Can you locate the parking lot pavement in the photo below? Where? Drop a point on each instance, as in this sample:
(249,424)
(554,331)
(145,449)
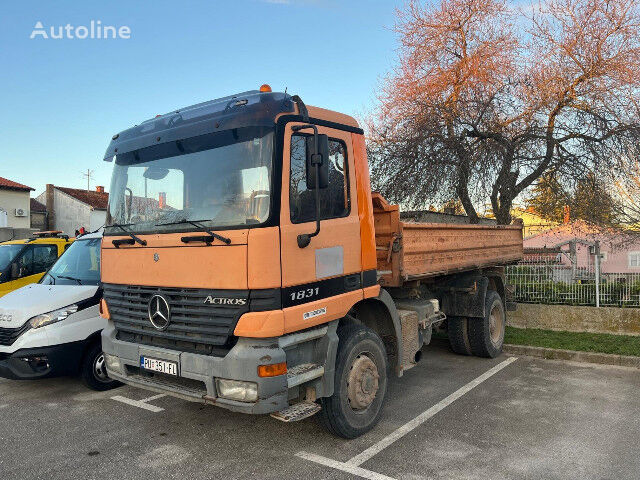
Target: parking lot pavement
(446,418)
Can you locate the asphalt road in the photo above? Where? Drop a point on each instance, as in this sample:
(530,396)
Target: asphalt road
(531,419)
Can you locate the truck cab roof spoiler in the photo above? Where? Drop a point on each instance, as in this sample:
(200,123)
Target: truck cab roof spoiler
(252,108)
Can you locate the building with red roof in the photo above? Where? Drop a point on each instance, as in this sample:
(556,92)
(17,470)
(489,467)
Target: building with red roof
(69,209)
(14,204)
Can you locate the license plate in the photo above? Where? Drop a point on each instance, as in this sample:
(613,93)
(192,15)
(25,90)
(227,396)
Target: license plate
(170,368)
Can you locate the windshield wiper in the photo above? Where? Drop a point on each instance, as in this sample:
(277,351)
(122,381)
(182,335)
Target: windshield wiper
(131,241)
(67,277)
(203,228)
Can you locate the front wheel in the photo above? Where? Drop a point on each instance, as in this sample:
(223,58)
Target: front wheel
(94,371)
(360,383)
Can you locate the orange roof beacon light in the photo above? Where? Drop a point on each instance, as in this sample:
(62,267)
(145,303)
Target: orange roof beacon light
(265,88)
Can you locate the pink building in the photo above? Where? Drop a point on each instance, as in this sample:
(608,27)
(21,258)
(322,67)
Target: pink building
(620,251)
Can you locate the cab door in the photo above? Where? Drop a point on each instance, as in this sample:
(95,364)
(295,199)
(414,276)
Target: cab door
(322,280)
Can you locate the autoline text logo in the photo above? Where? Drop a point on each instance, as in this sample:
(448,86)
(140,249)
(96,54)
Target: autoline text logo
(95,30)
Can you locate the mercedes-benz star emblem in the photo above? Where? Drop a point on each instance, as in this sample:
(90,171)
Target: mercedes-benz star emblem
(159,312)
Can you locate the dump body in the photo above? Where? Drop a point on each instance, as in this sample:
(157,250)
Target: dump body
(409,251)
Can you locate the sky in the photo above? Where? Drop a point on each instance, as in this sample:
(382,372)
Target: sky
(63,99)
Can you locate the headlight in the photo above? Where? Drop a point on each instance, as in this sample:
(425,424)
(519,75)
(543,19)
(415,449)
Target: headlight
(237,390)
(113,363)
(52,317)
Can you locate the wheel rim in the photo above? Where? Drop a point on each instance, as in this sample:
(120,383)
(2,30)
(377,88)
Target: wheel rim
(496,325)
(100,369)
(362,383)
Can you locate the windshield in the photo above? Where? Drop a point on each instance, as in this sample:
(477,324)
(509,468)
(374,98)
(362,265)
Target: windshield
(8,253)
(221,179)
(79,265)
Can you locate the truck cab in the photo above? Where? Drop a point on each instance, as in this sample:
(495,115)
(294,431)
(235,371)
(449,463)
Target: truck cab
(25,261)
(239,263)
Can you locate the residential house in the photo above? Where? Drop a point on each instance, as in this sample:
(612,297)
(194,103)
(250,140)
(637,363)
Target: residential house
(14,204)
(620,250)
(69,209)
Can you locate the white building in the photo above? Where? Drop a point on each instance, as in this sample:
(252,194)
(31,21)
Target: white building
(69,209)
(14,204)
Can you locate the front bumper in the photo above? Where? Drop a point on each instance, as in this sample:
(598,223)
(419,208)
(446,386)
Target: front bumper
(42,362)
(197,373)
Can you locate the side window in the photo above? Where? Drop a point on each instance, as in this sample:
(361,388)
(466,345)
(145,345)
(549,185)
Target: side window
(42,257)
(25,262)
(334,200)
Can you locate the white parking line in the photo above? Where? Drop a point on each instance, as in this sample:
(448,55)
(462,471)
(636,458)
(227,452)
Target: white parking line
(140,403)
(345,467)
(353,465)
(155,397)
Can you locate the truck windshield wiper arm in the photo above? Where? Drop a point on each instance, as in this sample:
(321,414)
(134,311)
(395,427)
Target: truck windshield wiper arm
(67,277)
(196,223)
(117,243)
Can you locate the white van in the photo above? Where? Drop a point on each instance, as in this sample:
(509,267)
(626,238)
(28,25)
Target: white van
(52,327)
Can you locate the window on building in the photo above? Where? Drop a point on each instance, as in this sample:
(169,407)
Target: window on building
(334,200)
(634,259)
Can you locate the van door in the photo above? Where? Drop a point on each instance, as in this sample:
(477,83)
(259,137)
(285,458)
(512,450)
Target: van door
(321,279)
(32,263)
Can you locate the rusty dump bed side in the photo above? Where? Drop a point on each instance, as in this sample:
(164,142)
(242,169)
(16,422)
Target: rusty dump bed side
(412,251)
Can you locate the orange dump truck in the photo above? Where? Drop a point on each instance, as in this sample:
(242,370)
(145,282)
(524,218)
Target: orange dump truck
(247,264)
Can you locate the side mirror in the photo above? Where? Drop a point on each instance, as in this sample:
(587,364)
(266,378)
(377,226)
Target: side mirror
(15,272)
(322,159)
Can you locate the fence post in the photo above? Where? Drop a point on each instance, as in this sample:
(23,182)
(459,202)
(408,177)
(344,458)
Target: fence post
(596,251)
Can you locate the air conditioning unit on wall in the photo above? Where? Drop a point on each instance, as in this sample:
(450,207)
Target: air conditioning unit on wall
(20,212)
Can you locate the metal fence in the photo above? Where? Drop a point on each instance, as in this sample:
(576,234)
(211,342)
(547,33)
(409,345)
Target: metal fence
(547,279)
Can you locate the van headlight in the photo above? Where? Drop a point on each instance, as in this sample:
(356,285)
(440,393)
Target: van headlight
(52,317)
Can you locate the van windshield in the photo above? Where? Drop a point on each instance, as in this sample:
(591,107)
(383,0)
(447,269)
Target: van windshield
(221,179)
(79,265)
(8,253)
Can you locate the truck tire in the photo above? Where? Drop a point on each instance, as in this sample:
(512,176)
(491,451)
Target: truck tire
(487,334)
(93,371)
(458,333)
(360,383)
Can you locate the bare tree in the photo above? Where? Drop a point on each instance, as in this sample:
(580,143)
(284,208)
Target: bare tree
(478,112)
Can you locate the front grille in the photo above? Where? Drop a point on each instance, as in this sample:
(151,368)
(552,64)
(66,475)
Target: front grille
(9,335)
(194,327)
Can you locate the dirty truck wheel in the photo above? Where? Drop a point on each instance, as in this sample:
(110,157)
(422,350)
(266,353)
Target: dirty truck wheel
(487,334)
(94,372)
(458,332)
(360,383)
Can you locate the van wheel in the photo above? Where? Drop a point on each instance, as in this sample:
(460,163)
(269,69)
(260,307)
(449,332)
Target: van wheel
(458,333)
(487,334)
(360,383)
(94,371)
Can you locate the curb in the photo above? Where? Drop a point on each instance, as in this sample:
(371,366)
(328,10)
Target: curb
(574,356)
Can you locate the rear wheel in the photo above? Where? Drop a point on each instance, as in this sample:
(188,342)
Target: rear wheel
(486,335)
(360,383)
(458,333)
(94,371)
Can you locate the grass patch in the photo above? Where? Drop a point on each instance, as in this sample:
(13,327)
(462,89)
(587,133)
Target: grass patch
(579,341)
